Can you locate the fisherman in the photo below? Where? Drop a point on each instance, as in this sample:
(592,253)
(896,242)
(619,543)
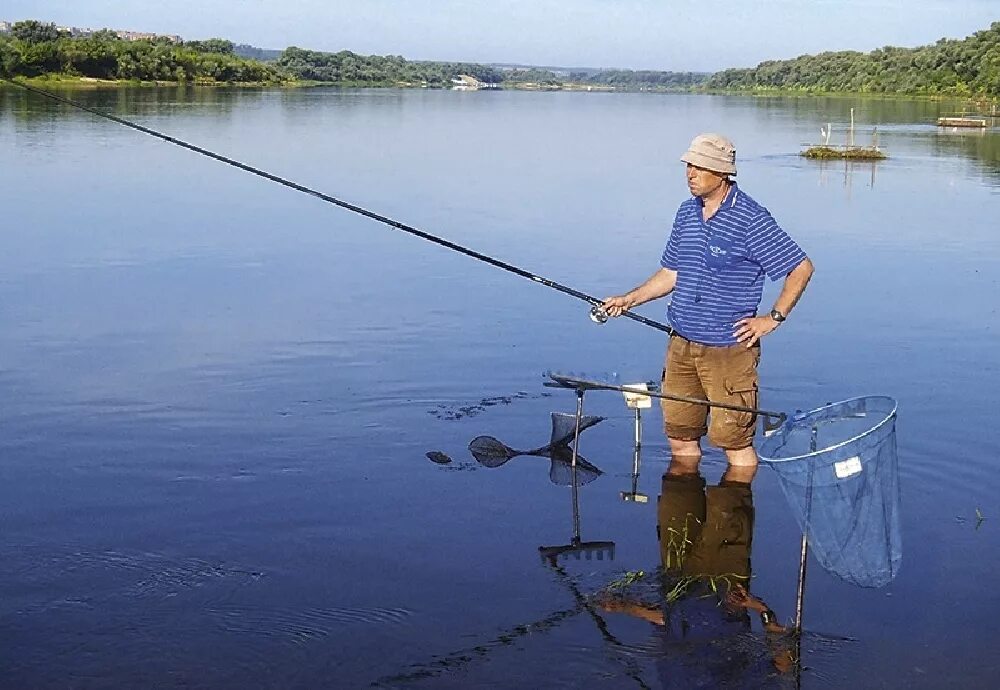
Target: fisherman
(721,246)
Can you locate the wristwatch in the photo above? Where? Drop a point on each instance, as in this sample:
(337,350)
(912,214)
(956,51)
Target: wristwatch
(777,315)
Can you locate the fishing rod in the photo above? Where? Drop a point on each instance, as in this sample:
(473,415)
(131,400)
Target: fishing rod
(597,312)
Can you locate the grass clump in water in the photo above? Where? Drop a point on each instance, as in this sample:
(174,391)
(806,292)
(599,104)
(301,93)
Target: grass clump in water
(850,153)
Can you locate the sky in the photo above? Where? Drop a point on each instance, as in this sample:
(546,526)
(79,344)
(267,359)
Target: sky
(675,35)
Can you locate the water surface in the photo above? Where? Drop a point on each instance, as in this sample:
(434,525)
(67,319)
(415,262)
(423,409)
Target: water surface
(219,393)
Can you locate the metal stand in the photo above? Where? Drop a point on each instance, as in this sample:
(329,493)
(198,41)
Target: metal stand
(576,451)
(636,402)
(577,547)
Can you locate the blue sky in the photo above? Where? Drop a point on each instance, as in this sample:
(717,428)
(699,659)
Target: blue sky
(653,34)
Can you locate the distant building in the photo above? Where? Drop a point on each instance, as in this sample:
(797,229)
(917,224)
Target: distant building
(145,36)
(464,82)
(83,32)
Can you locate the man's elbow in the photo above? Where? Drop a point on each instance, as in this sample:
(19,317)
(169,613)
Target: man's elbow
(805,269)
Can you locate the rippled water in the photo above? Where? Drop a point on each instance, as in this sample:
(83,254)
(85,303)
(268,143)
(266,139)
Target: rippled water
(219,395)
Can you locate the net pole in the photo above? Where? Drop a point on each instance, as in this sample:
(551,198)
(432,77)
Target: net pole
(803,561)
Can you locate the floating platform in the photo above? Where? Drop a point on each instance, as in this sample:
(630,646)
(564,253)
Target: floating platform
(975,122)
(857,153)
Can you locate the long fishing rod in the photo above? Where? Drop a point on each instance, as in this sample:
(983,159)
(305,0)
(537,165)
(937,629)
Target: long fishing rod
(597,312)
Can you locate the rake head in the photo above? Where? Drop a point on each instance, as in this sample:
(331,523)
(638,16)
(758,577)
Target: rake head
(587,550)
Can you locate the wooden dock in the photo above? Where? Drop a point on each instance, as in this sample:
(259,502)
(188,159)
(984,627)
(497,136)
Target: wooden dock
(977,122)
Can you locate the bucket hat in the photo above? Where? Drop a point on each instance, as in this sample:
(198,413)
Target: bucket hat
(713,152)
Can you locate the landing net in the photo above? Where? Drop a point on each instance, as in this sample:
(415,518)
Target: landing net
(838,469)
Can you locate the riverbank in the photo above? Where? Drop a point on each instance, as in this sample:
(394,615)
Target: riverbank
(76,81)
(977,99)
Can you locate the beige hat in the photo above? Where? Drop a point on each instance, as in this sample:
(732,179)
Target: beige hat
(712,152)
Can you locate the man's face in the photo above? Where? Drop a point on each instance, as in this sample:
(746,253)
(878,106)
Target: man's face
(703,182)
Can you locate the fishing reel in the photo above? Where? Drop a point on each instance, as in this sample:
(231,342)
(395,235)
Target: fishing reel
(598,314)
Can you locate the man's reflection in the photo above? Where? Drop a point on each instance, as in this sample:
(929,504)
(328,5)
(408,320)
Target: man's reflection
(702,615)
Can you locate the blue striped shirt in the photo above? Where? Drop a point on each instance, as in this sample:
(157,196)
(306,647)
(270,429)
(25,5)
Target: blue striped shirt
(721,265)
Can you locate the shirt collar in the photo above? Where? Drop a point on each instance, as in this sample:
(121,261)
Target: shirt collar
(730,199)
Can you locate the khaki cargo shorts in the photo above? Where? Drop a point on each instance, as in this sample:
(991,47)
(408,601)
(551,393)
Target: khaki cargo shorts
(719,374)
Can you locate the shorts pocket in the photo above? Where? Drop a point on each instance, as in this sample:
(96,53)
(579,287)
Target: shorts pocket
(742,391)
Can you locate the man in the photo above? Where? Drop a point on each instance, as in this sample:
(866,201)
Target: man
(722,245)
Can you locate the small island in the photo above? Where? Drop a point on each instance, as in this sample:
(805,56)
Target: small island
(849,150)
(859,153)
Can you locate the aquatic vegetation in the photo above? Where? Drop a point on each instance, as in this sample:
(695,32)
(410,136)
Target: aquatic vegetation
(848,153)
(628,578)
(677,543)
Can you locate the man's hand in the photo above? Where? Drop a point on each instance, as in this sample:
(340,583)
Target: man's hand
(750,330)
(616,305)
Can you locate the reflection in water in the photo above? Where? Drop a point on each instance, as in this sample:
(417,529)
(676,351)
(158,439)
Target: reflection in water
(124,101)
(701,602)
(491,452)
(831,172)
(979,145)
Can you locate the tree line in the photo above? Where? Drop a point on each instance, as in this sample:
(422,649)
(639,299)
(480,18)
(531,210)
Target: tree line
(959,67)
(965,67)
(34,49)
(351,68)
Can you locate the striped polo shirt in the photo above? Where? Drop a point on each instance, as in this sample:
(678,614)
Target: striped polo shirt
(721,265)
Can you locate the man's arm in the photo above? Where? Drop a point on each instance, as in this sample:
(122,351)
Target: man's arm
(657,285)
(793,287)
(750,330)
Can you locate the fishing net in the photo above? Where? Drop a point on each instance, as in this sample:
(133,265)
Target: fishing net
(491,452)
(838,469)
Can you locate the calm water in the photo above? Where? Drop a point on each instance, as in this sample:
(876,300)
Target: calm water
(218,393)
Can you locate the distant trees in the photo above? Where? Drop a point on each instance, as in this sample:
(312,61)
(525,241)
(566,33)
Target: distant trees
(32,32)
(629,79)
(348,67)
(211,45)
(33,49)
(966,67)
(954,67)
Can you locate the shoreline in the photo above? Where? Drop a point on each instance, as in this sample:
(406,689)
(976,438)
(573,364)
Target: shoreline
(78,82)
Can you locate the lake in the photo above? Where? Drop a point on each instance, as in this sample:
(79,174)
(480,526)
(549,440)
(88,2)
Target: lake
(218,393)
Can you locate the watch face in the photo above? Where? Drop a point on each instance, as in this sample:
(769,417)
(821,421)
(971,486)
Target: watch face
(777,315)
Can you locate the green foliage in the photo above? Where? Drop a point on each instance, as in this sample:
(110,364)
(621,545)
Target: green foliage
(949,67)
(212,45)
(629,79)
(10,58)
(35,49)
(532,76)
(851,153)
(628,578)
(348,67)
(32,31)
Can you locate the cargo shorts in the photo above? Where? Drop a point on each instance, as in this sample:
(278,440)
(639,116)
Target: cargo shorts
(716,373)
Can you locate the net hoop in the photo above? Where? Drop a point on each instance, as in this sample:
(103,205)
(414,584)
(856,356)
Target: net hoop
(889,418)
